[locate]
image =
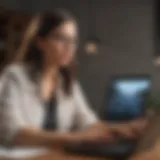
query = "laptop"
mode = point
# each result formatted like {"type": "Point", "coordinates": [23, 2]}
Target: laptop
{"type": "Point", "coordinates": [125, 99]}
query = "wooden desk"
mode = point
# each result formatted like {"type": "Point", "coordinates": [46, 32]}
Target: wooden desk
{"type": "Point", "coordinates": [58, 155]}
{"type": "Point", "coordinates": [150, 154]}
{"type": "Point", "coordinates": [63, 156]}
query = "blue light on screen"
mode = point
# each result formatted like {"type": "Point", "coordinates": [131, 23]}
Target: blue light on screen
{"type": "Point", "coordinates": [126, 100]}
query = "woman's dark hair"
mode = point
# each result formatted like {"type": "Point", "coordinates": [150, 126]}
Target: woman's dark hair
{"type": "Point", "coordinates": [40, 26]}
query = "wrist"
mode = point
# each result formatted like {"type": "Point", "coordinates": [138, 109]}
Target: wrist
{"type": "Point", "coordinates": [68, 137]}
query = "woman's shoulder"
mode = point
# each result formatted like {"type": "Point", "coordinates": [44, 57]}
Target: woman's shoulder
{"type": "Point", "coordinates": [14, 67]}
{"type": "Point", "coordinates": [15, 70]}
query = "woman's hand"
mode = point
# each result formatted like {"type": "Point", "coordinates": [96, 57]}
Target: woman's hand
{"type": "Point", "coordinates": [138, 126]}
{"type": "Point", "coordinates": [108, 132]}
{"type": "Point", "coordinates": [94, 136]}
{"type": "Point", "coordinates": [132, 129]}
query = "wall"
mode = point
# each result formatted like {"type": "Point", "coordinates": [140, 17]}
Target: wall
{"type": "Point", "coordinates": [126, 30]}
{"type": "Point", "coordinates": [127, 45]}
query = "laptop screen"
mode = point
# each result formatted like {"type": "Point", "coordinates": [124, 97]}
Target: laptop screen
{"type": "Point", "coordinates": [126, 99]}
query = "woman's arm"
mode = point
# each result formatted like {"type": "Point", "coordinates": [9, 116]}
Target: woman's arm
{"type": "Point", "coordinates": [131, 129]}
{"type": "Point", "coordinates": [37, 137]}
{"type": "Point", "coordinates": [84, 116]}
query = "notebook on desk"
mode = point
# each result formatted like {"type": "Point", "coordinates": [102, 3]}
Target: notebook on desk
{"type": "Point", "coordinates": [22, 152]}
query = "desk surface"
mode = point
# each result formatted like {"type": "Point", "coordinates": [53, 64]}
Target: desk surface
{"type": "Point", "coordinates": [148, 155]}
{"type": "Point", "coordinates": [59, 155]}
{"type": "Point", "coordinates": [63, 156]}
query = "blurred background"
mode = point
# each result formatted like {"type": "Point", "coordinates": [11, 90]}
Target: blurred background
{"type": "Point", "coordinates": [125, 33]}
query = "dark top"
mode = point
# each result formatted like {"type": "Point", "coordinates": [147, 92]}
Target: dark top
{"type": "Point", "coordinates": [50, 117]}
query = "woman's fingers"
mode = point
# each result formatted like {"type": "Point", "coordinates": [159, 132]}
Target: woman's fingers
{"type": "Point", "coordinates": [97, 135]}
{"type": "Point", "coordinates": [139, 126]}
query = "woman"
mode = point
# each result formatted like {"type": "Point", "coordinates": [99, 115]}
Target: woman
{"type": "Point", "coordinates": [40, 100]}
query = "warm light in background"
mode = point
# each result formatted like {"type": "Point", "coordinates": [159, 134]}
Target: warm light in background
{"type": "Point", "coordinates": [92, 43]}
{"type": "Point", "coordinates": [92, 46]}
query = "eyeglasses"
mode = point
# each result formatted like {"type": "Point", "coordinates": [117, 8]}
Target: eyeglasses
{"type": "Point", "coordinates": [63, 39]}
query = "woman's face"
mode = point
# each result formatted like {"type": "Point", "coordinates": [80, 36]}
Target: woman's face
{"type": "Point", "coordinates": [60, 44]}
